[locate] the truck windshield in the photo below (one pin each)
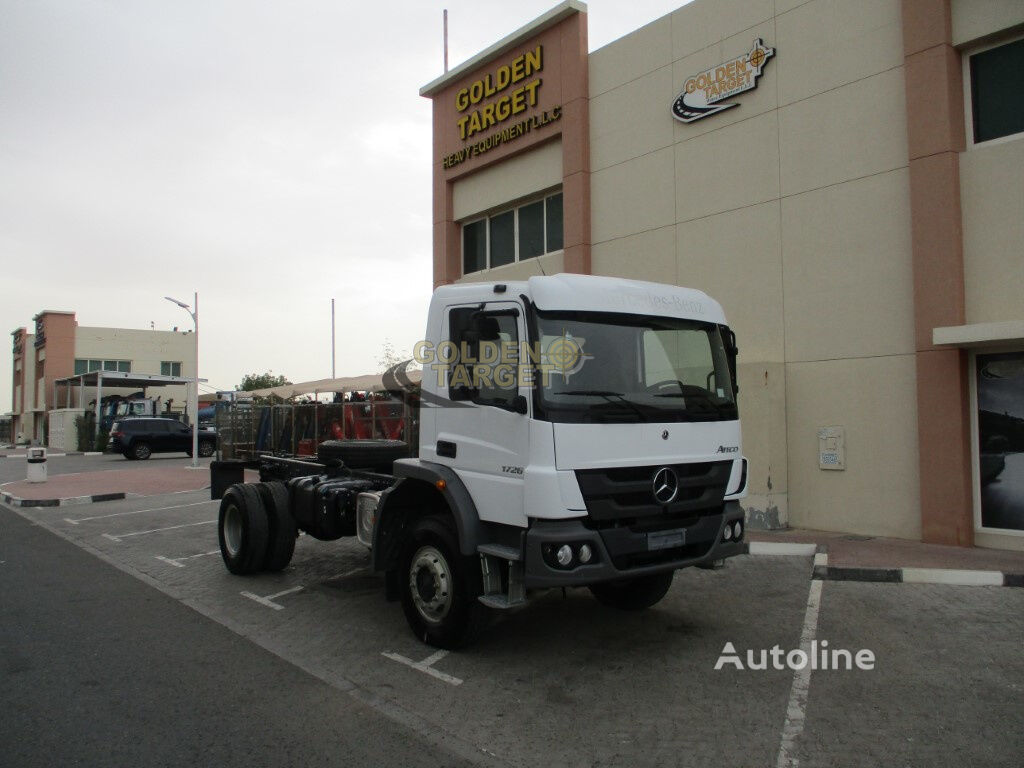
(598, 367)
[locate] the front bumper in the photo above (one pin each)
(623, 553)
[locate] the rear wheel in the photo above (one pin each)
(242, 529)
(280, 526)
(439, 586)
(634, 594)
(141, 451)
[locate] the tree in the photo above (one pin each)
(389, 356)
(266, 380)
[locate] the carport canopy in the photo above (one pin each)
(114, 379)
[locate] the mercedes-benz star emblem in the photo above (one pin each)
(666, 485)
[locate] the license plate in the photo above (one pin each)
(666, 539)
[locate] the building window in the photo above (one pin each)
(88, 366)
(168, 368)
(997, 98)
(519, 233)
(999, 420)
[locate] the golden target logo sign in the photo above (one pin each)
(703, 93)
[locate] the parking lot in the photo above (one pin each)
(566, 681)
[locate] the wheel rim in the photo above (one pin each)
(430, 583)
(205, 450)
(142, 451)
(232, 530)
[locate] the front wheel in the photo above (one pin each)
(439, 587)
(205, 449)
(633, 594)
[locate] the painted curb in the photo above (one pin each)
(14, 501)
(780, 548)
(825, 572)
(51, 455)
(946, 576)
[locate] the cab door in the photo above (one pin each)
(483, 430)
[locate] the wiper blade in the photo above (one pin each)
(590, 392)
(611, 397)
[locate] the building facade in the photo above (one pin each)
(58, 348)
(847, 179)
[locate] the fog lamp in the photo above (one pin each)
(727, 533)
(564, 555)
(737, 530)
(585, 553)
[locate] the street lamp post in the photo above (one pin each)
(194, 312)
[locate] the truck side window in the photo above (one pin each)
(487, 344)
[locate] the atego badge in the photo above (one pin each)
(703, 93)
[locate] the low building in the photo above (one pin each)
(845, 178)
(59, 348)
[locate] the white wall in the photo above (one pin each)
(145, 349)
(792, 209)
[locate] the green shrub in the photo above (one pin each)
(83, 433)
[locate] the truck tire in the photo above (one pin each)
(633, 594)
(141, 451)
(242, 529)
(363, 454)
(439, 586)
(281, 530)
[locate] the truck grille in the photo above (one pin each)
(627, 493)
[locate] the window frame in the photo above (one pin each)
(965, 65)
(975, 447)
(170, 367)
(93, 365)
(514, 209)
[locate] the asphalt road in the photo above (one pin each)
(100, 669)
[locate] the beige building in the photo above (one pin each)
(60, 348)
(847, 179)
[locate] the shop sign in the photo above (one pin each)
(703, 93)
(500, 100)
(19, 341)
(40, 333)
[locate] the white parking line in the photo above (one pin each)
(796, 710)
(269, 599)
(135, 512)
(177, 561)
(427, 665)
(120, 536)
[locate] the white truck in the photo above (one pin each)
(575, 431)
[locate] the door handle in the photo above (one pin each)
(447, 449)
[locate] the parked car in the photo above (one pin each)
(140, 438)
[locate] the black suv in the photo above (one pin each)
(140, 438)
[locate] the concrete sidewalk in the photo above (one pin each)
(869, 558)
(85, 487)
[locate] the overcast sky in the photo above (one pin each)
(269, 155)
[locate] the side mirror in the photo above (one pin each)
(462, 393)
(519, 404)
